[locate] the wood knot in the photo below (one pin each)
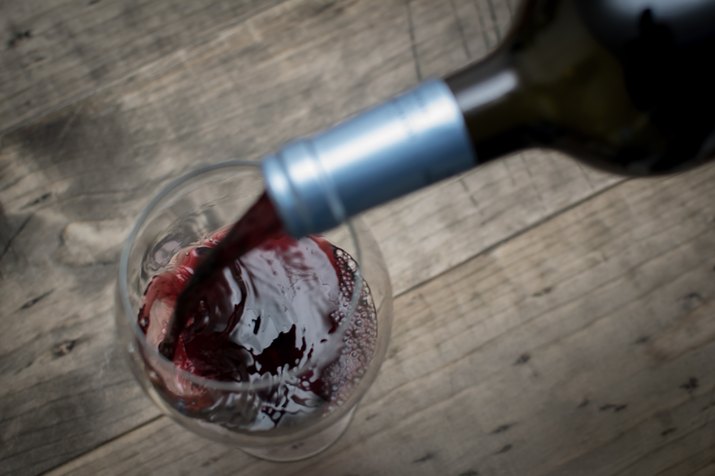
(422, 459)
(522, 359)
(504, 449)
(35, 300)
(543, 292)
(18, 37)
(63, 348)
(691, 385)
(615, 407)
(502, 428)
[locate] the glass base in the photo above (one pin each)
(306, 447)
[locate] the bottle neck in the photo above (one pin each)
(491, 97)
(407, 143)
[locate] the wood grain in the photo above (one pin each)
(581, 347)
(54, 53)
(523, 240)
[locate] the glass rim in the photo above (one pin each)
(129, 314)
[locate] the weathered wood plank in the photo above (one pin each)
(680, 454)
(238, 93)
(72, 181)
(456, 220)
(583, 346)
(53, 53)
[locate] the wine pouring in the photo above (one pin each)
(607, 81)
(622, 85)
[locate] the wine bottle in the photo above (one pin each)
(623, 85)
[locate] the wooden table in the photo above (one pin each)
(549, 319)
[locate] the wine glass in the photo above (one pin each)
(241, 411)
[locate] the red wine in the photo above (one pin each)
(271, 307)
(258, 224)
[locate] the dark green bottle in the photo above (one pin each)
(626, 85)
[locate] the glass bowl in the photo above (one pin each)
(233, 412)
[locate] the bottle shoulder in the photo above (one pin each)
(623, 84)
